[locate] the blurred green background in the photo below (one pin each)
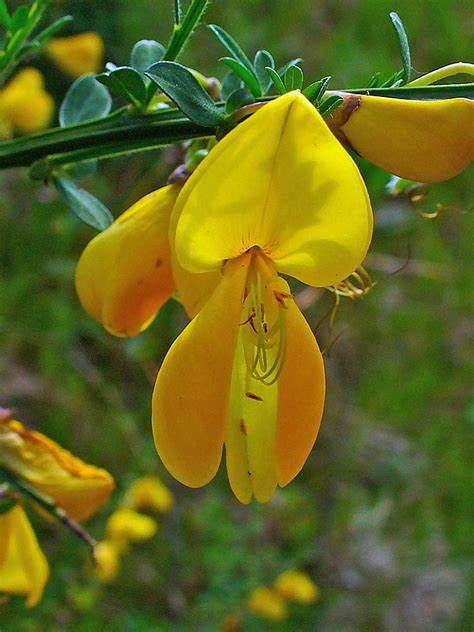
(381, 516)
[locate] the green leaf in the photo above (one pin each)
(292, 62)
(126, 82)
(5, 18)
(249, 78)
(330, 104)
(231, 45)
(238, 99)
(263, 60)
(315, 91)
(53, 28)
(277, 81)
(145, 53)
(404, 46)
(183, 88)
(19, 18)
(230, 84)
(86, 99)
(293, 78)
(83, 204)
(393, 79)
(374, 81)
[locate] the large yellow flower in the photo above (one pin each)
(77, 55)
(124, 275)
(25, 106)
(425, 141)
(23, 567)
(277, 194)
(78, 488)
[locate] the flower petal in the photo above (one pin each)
(193, 290)
(124, 275)
(78, 488)
(78, 54)
(425, 141)
(191, 396)
(25, 569)
(301, 397)
(25, 103)
(281, 181)
(250, 434)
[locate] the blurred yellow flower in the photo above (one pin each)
(296, 586)
(149, 493)
(23, 567)
(277, 195)
(124, 275)
(78, 54)
(25, 106)
(126, 524)
(78, 488)
(425, 141)
(107, 560)
(266, 603)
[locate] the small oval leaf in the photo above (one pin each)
(182, 87)
(83, 204)
(126, 82)
(145, 53)
(86, 99)
(264, 60)
(230, 84)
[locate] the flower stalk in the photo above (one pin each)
(121, 133)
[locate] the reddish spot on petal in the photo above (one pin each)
(254, 396)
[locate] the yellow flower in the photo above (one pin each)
(78, 54)
(124, 275)
(266, 603)
(126, 524)
(107, 560)
(296, 586)
(78, 488)
(277, 194)
(24, 103)
(149, 493)
(425, 141)
(23, 567)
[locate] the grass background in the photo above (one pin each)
(381, 516)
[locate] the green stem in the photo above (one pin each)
(15, 44)
(48, 504)
(178, 11)
(121, 134)
(460, 68)
(182, 31)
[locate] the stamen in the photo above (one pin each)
(265, 337)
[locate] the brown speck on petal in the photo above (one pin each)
(243, 429)
(254, 396)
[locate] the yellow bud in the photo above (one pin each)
(425, 141)
(25, 103)
(149, 493)
(124, 275)
(78, 54)
(78, 488)
(296, 586)
(267, 603)
(107, 560)
(126, 524)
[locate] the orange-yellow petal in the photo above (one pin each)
(191, 396)
(80, 489)
(78, 54)
(280, 181)
(425, 141)
(124, 275)
(25, 103)
(301, 397)
(24, 570)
